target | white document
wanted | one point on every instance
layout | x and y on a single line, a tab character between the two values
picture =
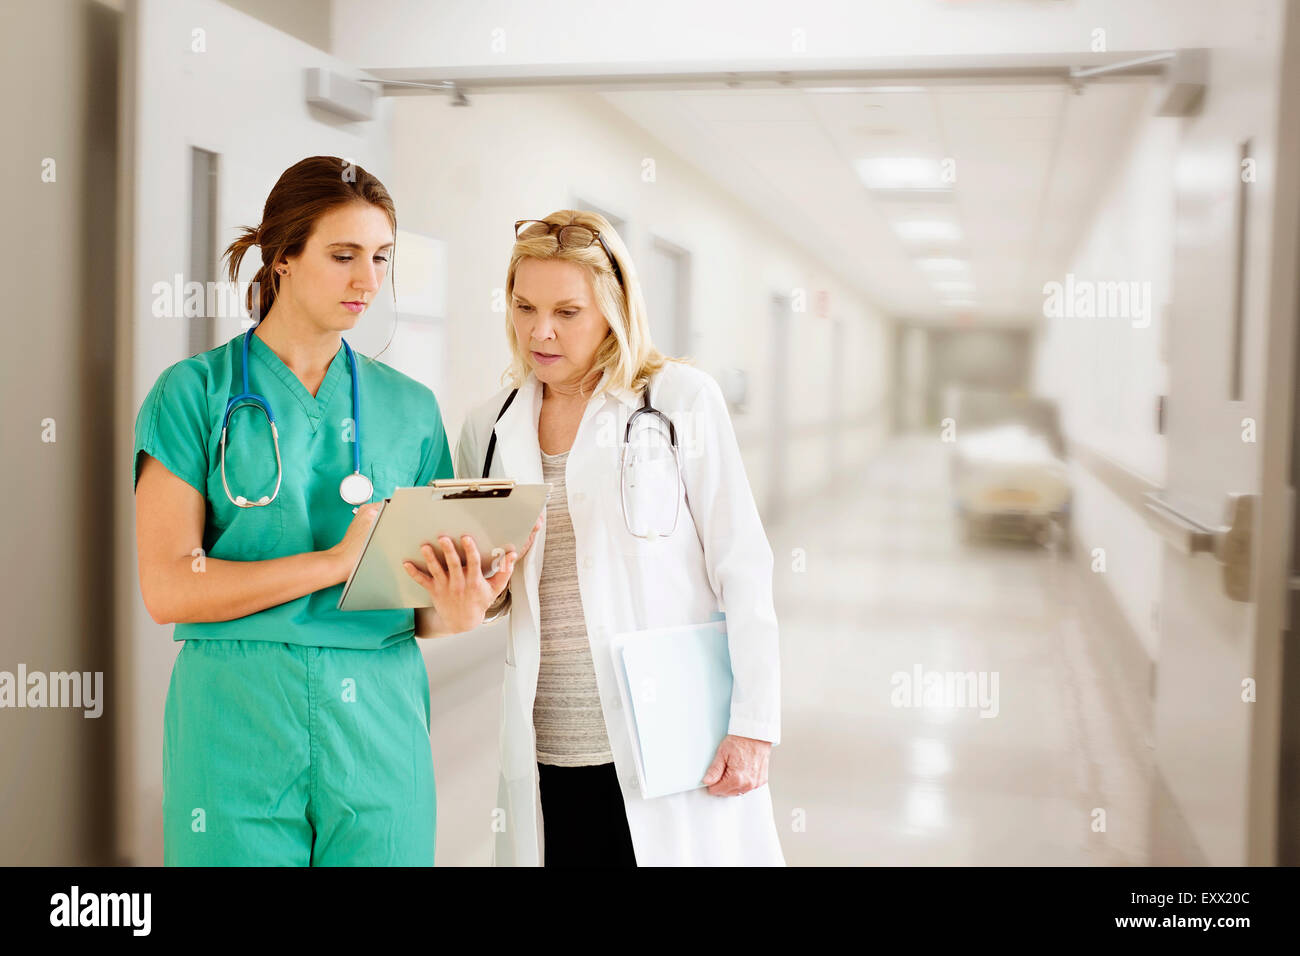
675	686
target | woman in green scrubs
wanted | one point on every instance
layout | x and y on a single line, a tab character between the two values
295	733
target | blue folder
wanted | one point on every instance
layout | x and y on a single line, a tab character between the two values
675	685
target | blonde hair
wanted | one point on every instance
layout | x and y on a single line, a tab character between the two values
627	353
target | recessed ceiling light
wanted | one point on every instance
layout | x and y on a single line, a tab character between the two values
941	264
901	172
928	230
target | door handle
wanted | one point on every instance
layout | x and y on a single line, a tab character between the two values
1230	543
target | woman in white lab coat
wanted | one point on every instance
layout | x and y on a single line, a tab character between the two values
691	547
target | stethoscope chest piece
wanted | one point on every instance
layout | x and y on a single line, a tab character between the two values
356	489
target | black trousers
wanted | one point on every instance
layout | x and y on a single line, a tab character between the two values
583	819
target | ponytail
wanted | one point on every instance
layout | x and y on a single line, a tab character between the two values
264	288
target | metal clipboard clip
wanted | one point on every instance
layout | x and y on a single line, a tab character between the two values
475	487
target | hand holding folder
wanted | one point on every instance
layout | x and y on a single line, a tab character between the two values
675	685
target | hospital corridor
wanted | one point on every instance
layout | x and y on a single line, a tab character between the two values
867	432
943	787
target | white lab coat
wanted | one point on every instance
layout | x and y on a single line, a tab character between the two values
718	559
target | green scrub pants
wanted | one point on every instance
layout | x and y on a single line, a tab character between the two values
284	755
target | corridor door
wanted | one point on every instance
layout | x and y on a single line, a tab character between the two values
1230	351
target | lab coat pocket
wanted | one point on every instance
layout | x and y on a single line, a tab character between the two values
647	505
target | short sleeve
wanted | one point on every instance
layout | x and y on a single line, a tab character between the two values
435	461
173	426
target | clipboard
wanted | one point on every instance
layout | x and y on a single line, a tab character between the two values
497	513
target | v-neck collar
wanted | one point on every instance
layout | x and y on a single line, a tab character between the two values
313	406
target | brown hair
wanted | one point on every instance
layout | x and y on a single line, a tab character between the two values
304	192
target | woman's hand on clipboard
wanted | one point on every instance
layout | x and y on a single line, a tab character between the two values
348	550
461	594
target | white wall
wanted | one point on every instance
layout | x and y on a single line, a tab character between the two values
1107	374
242	98
466	174
308	20
481	36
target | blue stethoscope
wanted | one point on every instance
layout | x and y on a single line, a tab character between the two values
355	488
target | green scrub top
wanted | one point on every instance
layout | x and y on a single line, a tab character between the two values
403	443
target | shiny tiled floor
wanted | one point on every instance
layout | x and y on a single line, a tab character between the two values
888	587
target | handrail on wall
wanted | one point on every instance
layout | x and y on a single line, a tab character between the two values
1228	541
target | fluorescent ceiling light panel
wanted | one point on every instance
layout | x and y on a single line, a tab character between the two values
928	230
942	264
901	172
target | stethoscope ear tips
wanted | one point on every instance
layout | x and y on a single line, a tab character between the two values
241	501
264	500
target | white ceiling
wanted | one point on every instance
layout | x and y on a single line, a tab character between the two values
1032	162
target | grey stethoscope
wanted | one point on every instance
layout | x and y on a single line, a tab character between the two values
627	462
355	488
